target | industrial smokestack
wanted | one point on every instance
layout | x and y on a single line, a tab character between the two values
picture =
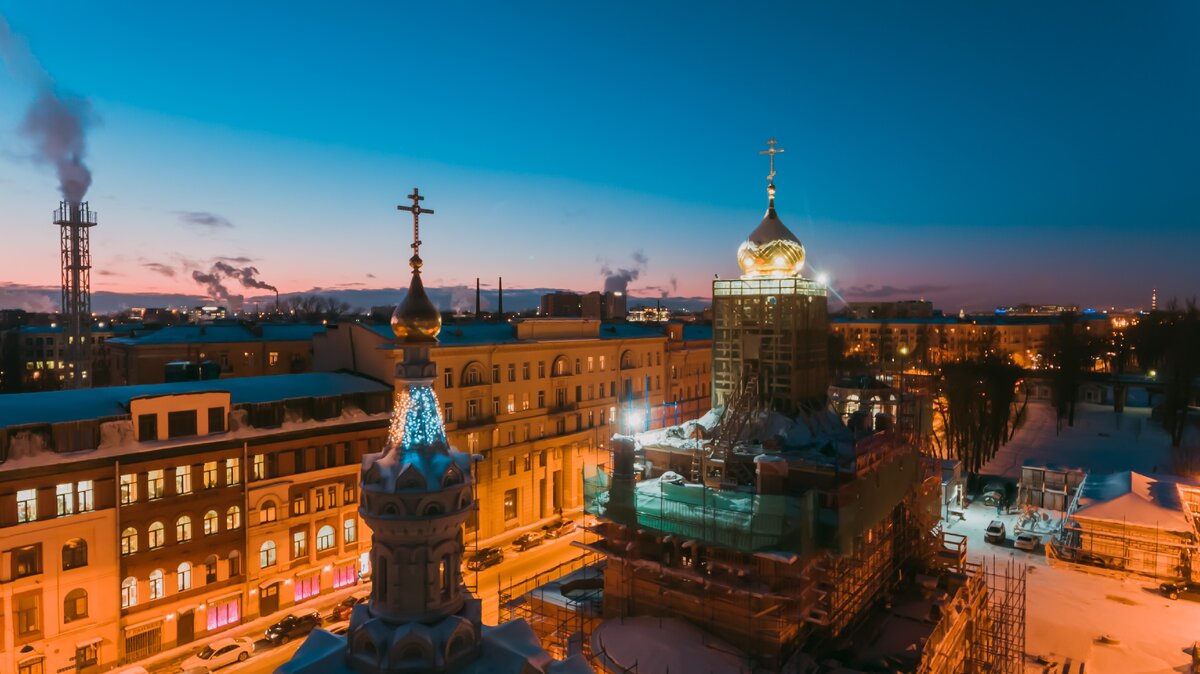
500	300
74	221
477	308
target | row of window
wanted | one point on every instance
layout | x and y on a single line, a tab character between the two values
473	376
71	498
156	480
182	580
156	532
326	540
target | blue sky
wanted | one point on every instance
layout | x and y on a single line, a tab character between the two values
971	153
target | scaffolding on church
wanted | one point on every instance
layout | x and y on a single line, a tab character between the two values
562	604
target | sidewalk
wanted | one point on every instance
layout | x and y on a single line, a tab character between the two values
167	661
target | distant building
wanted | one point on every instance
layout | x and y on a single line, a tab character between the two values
603	306
33	357
900	309
239	349
561	304
648	315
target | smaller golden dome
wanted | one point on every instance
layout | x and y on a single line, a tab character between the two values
416	319
771	249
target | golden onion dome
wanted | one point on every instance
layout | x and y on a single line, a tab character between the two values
416	319
771	249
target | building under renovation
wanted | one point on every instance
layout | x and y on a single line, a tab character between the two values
771	534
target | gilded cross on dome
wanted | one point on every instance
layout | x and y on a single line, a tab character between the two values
416	211
771	151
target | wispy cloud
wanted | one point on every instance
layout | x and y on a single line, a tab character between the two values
160	268
203	219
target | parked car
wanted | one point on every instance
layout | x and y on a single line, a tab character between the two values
1180	590
995	532
528	540
992	498
1027	541
343	609
483	558
220	653
559	528
293	625
339	629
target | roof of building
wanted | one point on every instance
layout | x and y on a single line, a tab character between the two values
480	333
697	332
1133	498
973	319
19	409
223	333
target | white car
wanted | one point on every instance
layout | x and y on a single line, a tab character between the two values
220	653
1026	542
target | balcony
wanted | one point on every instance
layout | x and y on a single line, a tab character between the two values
476	422
563	407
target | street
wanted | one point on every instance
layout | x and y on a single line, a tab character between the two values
516	566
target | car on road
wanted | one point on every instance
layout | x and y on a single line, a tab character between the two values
292	626
1027	541
528	540
483	558
559	528
344	607
339	629
218	654
995	532
1180	590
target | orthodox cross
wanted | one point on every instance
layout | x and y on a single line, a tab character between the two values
416	211
771	151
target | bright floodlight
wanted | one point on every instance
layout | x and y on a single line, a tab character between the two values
823	278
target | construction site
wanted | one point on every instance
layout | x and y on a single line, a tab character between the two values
804	545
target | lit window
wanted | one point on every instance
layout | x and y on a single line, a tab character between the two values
233	518
29	614
273	358
129	541
211	525
266	513
75	606
325	538
511	405
183	480
299	545
183	529
128	489
154	484
128	592
156	584
210	474
591	364
183	577
233	472
350	530
83	496
64	495
601	363
259	467
266	555
74	554
157	534
308	587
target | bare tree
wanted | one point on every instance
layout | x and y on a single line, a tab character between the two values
1072	352
976	401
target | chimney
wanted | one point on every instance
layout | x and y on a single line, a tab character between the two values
477	310
621	507
500	301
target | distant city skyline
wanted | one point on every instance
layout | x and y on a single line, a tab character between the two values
967	156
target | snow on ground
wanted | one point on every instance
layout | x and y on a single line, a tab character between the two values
1101	441
651	644
1069	607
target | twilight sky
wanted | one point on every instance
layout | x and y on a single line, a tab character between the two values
969	153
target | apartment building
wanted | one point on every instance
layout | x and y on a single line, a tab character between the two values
539	399
137	518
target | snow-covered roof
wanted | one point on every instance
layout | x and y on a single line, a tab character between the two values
1133	498
477	333
19	409
223	333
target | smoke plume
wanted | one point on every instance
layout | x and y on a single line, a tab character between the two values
221	271
618	280
56	122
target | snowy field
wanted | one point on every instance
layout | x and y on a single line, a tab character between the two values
1069	607
1101	441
